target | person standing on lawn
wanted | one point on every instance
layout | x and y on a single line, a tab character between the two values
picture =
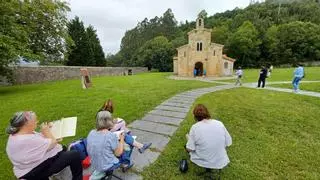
239	74
262	76
298	75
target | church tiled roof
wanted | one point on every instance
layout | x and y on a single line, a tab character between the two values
228	58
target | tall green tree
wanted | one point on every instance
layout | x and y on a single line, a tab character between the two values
270	45
298	42
95	45
244	44
34	30
169	24
46	25
156	53
81	52
220	34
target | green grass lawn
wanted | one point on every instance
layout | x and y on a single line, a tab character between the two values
303	86
275	136
279	74
133	97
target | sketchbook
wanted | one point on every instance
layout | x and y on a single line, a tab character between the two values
65	127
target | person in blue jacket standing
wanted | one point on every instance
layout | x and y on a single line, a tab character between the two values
298	75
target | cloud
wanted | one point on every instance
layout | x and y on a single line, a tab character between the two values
112	18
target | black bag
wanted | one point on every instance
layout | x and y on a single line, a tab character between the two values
183	165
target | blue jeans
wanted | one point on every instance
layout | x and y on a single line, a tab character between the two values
128	139
296	82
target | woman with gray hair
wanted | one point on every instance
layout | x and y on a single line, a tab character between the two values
37	155
105	149
120	124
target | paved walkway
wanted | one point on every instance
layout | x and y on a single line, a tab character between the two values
301	92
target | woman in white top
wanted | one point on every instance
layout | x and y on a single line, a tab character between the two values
207	140
37	156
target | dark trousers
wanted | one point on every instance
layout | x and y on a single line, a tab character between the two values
263	80
56	164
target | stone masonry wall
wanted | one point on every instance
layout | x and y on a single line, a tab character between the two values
28	75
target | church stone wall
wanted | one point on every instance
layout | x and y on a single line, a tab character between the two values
210	55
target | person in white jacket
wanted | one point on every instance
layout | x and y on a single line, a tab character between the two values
207	140
239	74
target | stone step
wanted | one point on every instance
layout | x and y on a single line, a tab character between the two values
153	127
158	141
162	119
184	96
179	101
143	160
187	100
169	113
172	108
176	104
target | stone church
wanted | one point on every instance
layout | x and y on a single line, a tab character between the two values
202	55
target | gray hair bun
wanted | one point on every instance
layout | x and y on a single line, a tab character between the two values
16	122
12	130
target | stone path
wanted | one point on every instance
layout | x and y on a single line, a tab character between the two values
301	92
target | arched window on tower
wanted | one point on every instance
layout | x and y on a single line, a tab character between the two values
199	46
200	22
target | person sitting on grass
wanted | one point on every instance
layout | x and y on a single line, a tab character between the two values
120	124
38	155
207	140
105	148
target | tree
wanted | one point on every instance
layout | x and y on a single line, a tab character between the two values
156	53
203	14
220	34
168	24
114	60
271	43
298	42
97	50
34	30
46	25
244	44
81	52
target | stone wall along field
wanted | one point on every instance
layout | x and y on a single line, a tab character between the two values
29	75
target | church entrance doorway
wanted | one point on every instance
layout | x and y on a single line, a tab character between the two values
198	69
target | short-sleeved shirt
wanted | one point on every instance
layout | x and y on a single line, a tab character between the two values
208	140
101	146
27	151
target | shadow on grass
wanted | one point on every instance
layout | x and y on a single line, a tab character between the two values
9	90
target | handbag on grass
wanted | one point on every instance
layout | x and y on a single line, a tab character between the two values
183	165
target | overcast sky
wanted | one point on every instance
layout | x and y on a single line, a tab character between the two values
111	18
